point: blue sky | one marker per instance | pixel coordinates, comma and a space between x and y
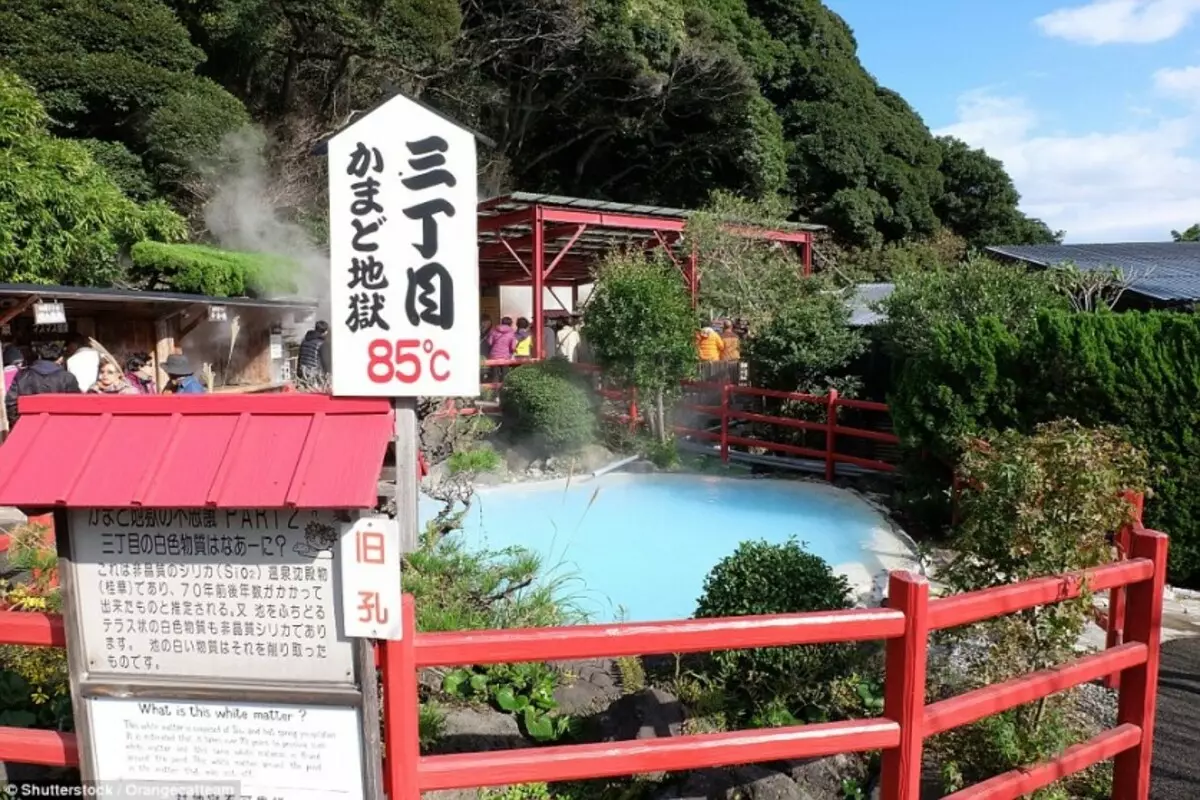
1093, 106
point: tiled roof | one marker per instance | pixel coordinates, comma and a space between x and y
1165, 271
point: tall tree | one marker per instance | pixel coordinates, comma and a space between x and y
1191, 234
122, 71
979, 201
63, 218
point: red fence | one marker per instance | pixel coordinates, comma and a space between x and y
900, 733
728, 414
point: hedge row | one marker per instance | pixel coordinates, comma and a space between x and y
1140, 371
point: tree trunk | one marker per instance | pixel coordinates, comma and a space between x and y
662, 416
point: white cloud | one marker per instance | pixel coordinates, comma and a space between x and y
1182, 83
1133, 185
1120, 21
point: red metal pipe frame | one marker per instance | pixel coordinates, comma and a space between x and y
539, 277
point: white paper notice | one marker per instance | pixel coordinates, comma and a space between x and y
404, 258
277, 752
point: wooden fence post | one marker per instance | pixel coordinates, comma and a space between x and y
401, 711
830, 434
1139, 685
725, 424
904, 689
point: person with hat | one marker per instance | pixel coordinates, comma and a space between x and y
182, 380
14, 362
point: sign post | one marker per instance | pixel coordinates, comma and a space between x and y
404, 270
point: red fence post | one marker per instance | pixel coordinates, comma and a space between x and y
830, 434
1139, 685
633, 409
1116, 597
904, 691
401, 711
725, 423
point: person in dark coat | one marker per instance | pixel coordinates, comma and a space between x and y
179, 370
46, 375
314, 361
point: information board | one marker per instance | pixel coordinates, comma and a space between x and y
212, 593
404, 258
276, 752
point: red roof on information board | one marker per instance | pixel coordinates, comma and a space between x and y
264, 451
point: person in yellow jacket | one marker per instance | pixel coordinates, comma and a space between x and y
524, 340
710, 344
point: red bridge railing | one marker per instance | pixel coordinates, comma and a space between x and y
900, 733
727, 414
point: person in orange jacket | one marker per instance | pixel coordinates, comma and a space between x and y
710, 344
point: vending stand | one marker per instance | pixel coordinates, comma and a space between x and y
218, 556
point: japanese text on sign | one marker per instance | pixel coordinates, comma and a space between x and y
370, 559
404, 263
272, 751
215, 593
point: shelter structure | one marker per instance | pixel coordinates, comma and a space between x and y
1159, 274
243, 339
551, 243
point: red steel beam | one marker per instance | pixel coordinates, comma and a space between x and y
1022, 782
523, 242
964, 609
29, 746
988, 700
566, 248
605, 759
32, 629
652, 638
522, 216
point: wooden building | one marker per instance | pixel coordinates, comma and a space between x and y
246, 342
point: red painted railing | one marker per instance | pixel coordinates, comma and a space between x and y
900, 733
728, 414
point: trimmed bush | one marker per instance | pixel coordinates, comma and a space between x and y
200, 269
548, 403
763, 578
1137, 371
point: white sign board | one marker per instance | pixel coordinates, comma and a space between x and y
371, 594
216, 593
217, 314
404, 260
49, 314
276, 752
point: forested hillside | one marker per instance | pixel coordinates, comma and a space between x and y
649, 101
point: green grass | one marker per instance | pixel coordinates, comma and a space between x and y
477, 459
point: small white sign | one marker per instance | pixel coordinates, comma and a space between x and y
276, 345
280, 752
404, 258
49, 314
216, 314
370, 558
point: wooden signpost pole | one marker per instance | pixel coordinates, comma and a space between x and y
407, 444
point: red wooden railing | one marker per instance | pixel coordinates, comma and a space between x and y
726, 413
900, 733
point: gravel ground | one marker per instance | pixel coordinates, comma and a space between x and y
1176, 772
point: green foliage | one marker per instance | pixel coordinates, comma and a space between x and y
1139, 371
979, 201
62, 218
478, 459
1191, 234
663, 454
431, 721
875, 264
640, 328
924, 300
549, 404
771, 684
123, 167
524, 690
807, 344
200, 269
124, 72
1031, 505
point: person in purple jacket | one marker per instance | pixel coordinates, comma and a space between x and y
501, 341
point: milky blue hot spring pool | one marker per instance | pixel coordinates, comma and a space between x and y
641, 545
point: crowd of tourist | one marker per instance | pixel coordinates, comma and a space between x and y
723, 346
504, 342
78, 367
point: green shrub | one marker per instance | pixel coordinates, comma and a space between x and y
545, 402
1137, 371
477, 459
200, 269
761, 578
